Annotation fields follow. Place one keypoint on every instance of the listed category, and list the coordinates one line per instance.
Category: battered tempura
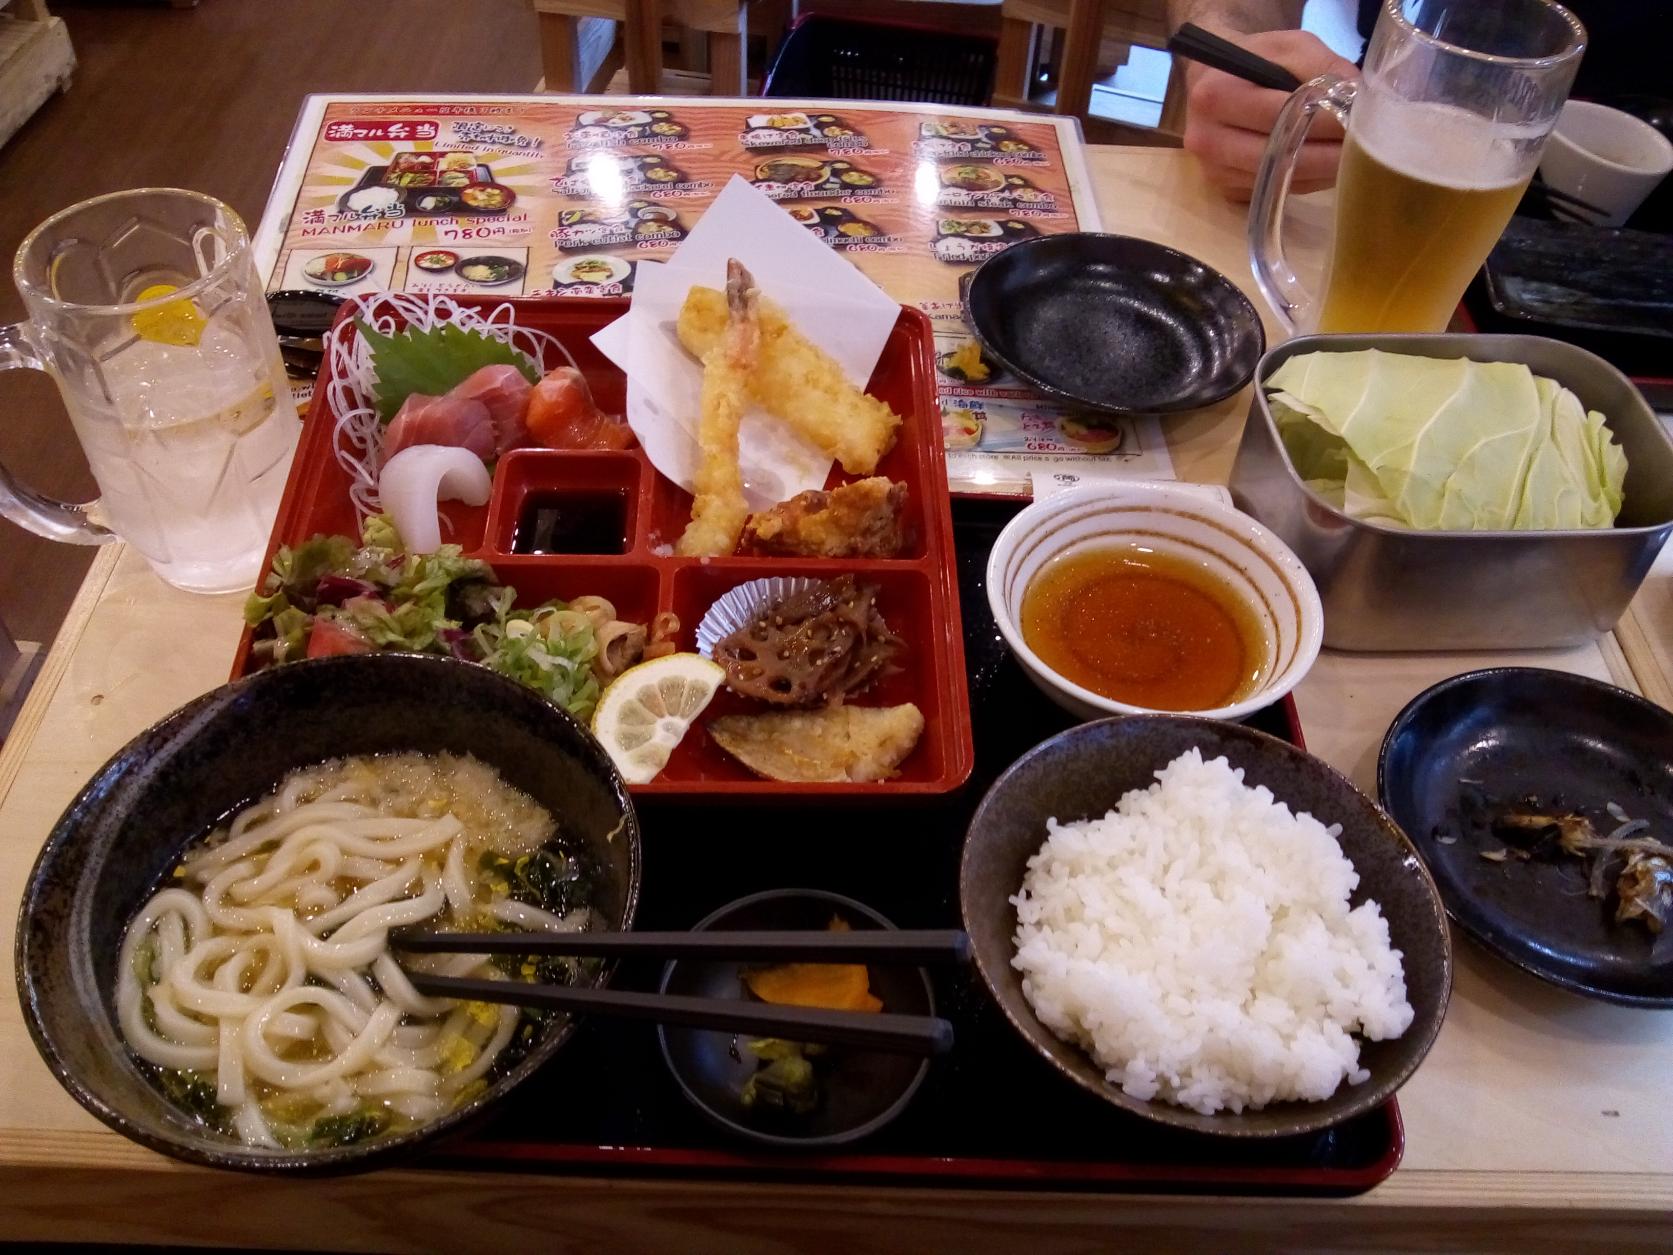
(838, 743)
(719, 509)
(798, 383)
(864, 519)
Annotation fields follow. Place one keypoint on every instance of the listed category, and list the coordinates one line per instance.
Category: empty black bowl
(860, 1090)
(175, 782)
(1082, 773)
(1476, 742)
(1114, 323)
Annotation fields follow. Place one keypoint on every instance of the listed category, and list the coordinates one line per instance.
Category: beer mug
(1444, 129)
(146, 309)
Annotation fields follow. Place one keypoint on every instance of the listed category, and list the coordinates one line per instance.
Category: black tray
(991, 1113)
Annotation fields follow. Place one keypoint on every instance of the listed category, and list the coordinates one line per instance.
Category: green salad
(331, 595)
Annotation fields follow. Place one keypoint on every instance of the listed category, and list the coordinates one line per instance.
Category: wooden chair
(1097, 34)
(717, 31)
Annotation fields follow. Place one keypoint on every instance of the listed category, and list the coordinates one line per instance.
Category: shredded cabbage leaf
(1446, 445)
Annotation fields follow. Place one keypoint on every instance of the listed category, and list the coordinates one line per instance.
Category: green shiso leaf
(431, 362)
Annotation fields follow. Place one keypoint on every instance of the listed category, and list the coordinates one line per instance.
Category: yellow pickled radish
(177, 322)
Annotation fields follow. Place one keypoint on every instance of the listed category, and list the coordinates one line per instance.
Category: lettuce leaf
(1448, 445)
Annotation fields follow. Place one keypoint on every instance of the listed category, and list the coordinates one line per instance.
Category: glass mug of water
(146, 309)
(1444, 130)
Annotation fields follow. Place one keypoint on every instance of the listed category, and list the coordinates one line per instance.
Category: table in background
(1538, 1122)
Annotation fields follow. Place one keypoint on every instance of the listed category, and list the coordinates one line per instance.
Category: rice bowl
(1197, 941)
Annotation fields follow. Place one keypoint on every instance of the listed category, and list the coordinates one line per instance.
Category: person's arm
(1228, 121)
(1236, 17)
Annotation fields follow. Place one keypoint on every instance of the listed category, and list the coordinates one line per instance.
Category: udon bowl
(176, 781)
(1251, 561)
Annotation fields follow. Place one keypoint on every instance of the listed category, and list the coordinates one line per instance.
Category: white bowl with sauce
(1136, 598)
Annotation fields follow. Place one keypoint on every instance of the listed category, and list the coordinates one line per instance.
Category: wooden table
(1540, 1120)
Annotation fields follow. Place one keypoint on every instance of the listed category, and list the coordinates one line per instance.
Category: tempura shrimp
(719, 509)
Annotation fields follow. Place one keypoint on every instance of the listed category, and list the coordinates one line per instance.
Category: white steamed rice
(1197, 942)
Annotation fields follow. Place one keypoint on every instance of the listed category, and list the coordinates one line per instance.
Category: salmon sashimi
(563, 415)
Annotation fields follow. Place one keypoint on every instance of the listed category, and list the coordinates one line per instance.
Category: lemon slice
(648, 709)
(177, 322)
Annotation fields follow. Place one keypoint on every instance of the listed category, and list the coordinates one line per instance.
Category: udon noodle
(261, 984)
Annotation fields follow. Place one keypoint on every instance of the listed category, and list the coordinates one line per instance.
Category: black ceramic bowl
(1484, 739)
(173, 783)
(1114, 323)
(1083, 773)
(860, 1090)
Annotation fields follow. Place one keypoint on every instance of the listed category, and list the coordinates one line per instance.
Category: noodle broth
(258, 983)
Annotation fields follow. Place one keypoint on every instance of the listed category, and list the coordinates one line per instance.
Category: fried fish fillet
(798, 383)
(838, 743)
(718, 508)
(859, 520)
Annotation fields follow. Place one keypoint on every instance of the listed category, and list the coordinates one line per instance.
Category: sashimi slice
(446, 420)
(505, 392)
(562, 415)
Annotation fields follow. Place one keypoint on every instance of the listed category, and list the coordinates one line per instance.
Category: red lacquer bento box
(918, 591)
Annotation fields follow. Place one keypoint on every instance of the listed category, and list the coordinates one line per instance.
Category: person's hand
(1228, 121)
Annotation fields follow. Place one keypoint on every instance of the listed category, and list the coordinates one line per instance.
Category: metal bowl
(1083, 773)
(174, 782)
(1391, 588)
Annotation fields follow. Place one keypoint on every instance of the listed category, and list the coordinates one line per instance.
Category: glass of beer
(146, 309)
(1444, 130)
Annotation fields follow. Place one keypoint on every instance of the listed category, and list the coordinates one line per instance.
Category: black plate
(860, 1090)
(1115, 323)
(1567, 741)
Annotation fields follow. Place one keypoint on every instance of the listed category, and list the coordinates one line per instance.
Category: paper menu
(588, 196)
(825, 297)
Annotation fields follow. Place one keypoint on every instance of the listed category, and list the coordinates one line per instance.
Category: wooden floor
(201, 98)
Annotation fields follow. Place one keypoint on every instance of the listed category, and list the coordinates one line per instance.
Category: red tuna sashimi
(506, 394)
(441, 420)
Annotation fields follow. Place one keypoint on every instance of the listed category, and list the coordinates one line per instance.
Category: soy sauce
(573, 521)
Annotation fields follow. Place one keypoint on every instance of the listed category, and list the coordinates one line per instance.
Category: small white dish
(1605, 157)
(1179, 521)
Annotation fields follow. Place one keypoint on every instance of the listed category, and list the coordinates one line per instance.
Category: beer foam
(1443, 144)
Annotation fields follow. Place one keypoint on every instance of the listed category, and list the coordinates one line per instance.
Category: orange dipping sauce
(1145, 628)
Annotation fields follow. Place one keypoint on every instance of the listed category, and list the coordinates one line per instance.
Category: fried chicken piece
(718, 508)
(859, 520)
(798, 383)
(855, 744)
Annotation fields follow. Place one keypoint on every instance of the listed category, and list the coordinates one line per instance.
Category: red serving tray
(918, 591)
(1117, 1175)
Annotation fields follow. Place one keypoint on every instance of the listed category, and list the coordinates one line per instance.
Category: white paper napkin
(827, 298)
